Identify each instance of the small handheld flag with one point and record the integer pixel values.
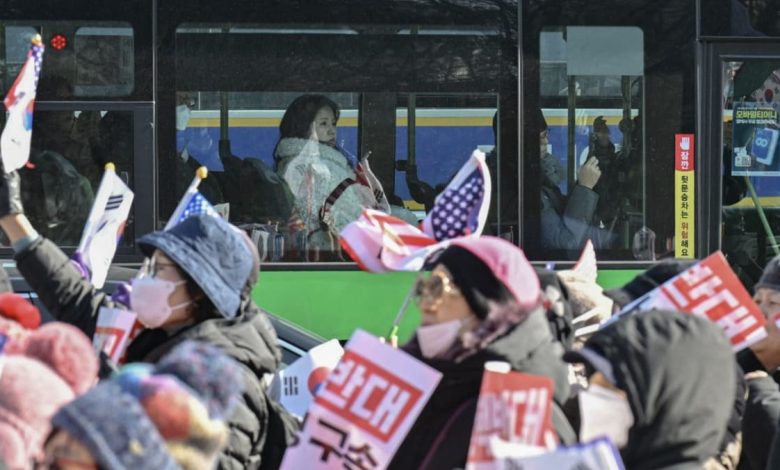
(193, 202)
(20, 101)
(105, 225)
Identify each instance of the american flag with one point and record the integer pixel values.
(20, 101)
(461, 209)
(197, 205)
(379, 242)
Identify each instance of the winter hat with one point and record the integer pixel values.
(193, 439)
(509, 265)
(17, 308)
(647, 281)
(770, 278)
(215, 378)
(115, 429)
(30, 393)
(68, 351)
(211, 253)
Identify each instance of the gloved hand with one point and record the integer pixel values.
(78, 262)
(121, 295)
(10, 193)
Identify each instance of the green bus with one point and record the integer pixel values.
(161, 87)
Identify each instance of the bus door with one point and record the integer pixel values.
(94, 105)
(740, 158)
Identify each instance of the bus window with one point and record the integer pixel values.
(316, 119)
(82, 60)
(68, 152)
(750, 161)
(590, 132)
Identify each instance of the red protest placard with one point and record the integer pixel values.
(712, 290)
(514, 407)
(369, 396)
(365, 408)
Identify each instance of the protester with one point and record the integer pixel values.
(40, 370)
(731, 447)
(106, 428)
(481, 303)
(188, 395)
(192, 290)
(661, 387)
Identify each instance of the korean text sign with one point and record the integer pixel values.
(514, 407)
(365, 408)
(684, 197)
(710, 289)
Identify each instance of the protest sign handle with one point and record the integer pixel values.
(101, 198)
(762, 216)
(393, 336)
(200, 175)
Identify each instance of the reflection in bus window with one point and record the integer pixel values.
(412, 104)
(591, 142)
(68, 152)
(751, 160)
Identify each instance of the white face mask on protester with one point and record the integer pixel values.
(437, 338)
(182, 117)
(604, 412)
(149, 300)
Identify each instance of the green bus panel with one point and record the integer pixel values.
(334, 303)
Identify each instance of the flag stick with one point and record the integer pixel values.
(393, 336)
(101, 199)
(200, 175)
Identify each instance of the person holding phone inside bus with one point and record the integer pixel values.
(331, 186)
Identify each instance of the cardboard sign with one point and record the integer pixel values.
(599, 454)
(112, 334)
(298, 383)
(364, 410)
(709, 289)
(514, 407)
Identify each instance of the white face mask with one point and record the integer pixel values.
(604, 412)
(149, 300)
(437, 338)
(182, 117)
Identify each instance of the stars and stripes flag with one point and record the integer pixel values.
(105, 226)
(379, 242)
(193, 202)
(20, 101)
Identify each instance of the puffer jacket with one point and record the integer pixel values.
(313, 171)
(257, 439)
(440, 437)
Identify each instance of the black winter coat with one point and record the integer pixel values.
(440, 437)
(249, 338)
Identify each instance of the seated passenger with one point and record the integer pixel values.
(567, 220)
(331, 186)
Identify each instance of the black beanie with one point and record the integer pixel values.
(770, 278)
(474, 279)
(647, 281)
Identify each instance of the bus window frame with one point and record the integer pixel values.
(714, 51)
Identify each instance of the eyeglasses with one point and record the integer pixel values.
(153, 266)
(433, 288)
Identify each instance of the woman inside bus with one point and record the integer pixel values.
(482, 302)
(194, 288)
(331, 186)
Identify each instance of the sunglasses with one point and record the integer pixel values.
(433, 287)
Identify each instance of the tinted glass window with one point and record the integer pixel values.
(287, 135)
(82, 60)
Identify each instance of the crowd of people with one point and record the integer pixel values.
(192, 390)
